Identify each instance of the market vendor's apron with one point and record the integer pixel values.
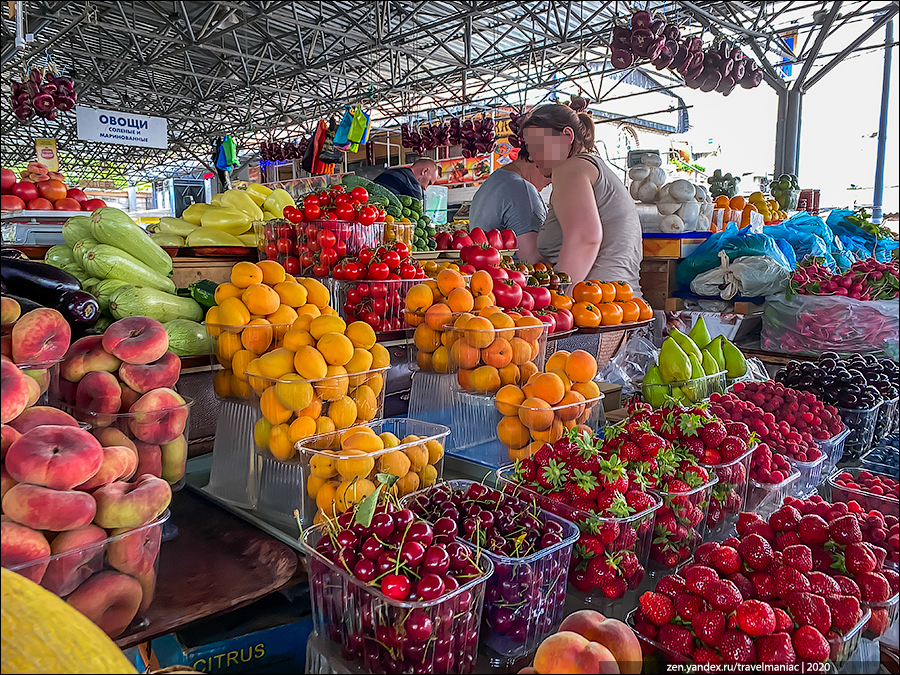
(619, 258)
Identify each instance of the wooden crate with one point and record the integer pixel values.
(658, 281)
(188, 270)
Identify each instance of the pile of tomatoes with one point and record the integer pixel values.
(336, 204)
(391, 262)
(603, 303)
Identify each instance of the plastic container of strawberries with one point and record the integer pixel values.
(766, 498)
(868, 500)
(833, 449)
(632, 533)
(810, 475)
(681, 505)
(884, 617)
(526, 594)
(844, 646)
(729, 496)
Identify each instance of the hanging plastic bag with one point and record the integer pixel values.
(748, 276)
(359, 127)
(630, 362)
(330, 154)
(340, 136)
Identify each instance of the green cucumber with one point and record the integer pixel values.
(204, 292)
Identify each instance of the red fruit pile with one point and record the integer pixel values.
(768, 467)
(784, 592)
(873, 483)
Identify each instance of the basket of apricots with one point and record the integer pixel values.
(339, 469)
(327, 376)
(253, 314)
(549, 404)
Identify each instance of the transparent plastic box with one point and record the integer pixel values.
(766, 498)
(884, 617)
(881, 459)
(97, 564)
(46, 374)
(729, 496)
(868, 500)
(525, 596)
(632, 533)
(810, 475)
(833, 449)
(320, 466)
(844, 646)
(861, 424)
(887, 416)
(524, 432)
(357, 618)
(354, 300)
(426, 335)
(688, 511)
(234, 474)
(691, 391)
(230, 340)
(353, 235)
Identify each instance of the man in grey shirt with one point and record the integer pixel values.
(509, 199)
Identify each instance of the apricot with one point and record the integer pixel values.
(568, 652)
(616, 636)
(535, 413)
(581, 366)
(509, 374)
(485, 379)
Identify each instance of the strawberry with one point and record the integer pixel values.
(783, 621)
(761, 528)
(598, 573)
(559, 497)
(810, 610)
(526, 469)
(709, 626)
(657, 608)
(822, 584)
(785, 539)
(873, 587)
(583, 504)
(628, 564)
(799, 557)
(697, 577)
(785, 519)
(591, 544)
(690, 425)
(845, 612)
(737, 647)
(810, 644)
(626, 539)
(666, 522)
(755, 617)
(651, 444)
(765, 585)
(738, 429)
(687, 605)
(705, 655)
(613, 474)
(722, 594)
(732, 448)
(552, 475)
(756, 551)
(638, 500)
(646, 629)
(711, 457)
(695, 476)
(581, 484)
(776, 648)
(630, 451)
(893, 579)
(847, 586)
(704, 551)
(726, 560)
(713, 433)
(542, 456)
(845, 529)
(607, 531)
(676, 638)
(789, 580)
(671, 585)
(744, 585)
(615, 588)
(858, 559)
(693, 446)
(673, 485)
(744, 519)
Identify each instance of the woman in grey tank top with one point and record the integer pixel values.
(592, 229)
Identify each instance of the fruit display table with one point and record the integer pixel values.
(216, 563)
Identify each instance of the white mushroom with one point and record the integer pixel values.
(700, 193)
(657, 175)
(639, 172)
(633, 189)
(667, 208)
(651, 159)
(663, 194)
(647, 192)
(682, 190)
(671, 224)
(689, 212)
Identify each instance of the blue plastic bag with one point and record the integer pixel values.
(865, 245)
(804, 244)
(340, 136)
(736, 243)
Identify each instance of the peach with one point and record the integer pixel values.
(568, 652)
(129, 398)
(174, 457)
(41, 376)
(20, 545)
(34, 391)
(8, 434)
(160, 416)
(109, 599)
(99, 393)
(6, 481)
(57, 457)
(121, 504)
(135, 551)
(149, 459)
(40, 336)
(10, 311)
(83, 549)
(161, 374)
(112, 436)
(41, 415)
(43, 508)
(85, 356)
(148, 586)
(14, 392)
(136, 340)
(66, 391)
(616, 636)
(119, 463)
(6, 346)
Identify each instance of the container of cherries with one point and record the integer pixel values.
(393, 594)
(529, 548)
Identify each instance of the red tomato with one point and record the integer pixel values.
(564, 318)
(326, 238)
(283, 245)
(77, 195)
(292, 265)
(539, 294)
(367, 214)
(40, 204)
(392, 258)
(310, 200)
(483, 257)
(478, 236)
(338, 272)
(365, 256)
(328, 256)
(311, 232)
(271, 251)
(93, 205)
(324, 198)
(344, 211)
(353, 271)
(363, 290)
(527, 301)
(293, 214)
(515, 275)
(509, 239)
(311, 211)
(11, 203)
(470, 269)
(420, 273)
(401, 248)
(353, 293)
(407, 271)
(67, 204)
(548, 318)
(320, 270)
(495, 239)
(378, 290)
(341, 248)
(306, 260)
(508, 293)
(360, 193)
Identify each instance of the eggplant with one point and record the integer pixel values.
(80, 308)
(9, 252)
(26, 304)
(36, 280)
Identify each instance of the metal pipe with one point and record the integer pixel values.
(20, 25)
(878, 198)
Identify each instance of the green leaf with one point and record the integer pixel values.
(365, 510)
(387, 479)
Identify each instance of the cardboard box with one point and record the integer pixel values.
(612, 395)
(658, 281)
(668, 246)
(269, 635)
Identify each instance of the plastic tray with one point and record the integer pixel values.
(884, 617)
(694, 390)
(729, 496)
(869, 501)
(513, 354)
(527, 594)
(356, 617)
(810, 475)
(887, 416)
(677, 503)
(634, 534)
(833, 449)
(296, 479)
(766, 498)
(862, 430)
(234, 476)
(127, 561)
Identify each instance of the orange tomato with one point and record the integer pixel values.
(560, 300)
(608, 289)
(631, 311)
(587, 291)
(586, 315)
(610, 313)
(623, 291)
(646, 310)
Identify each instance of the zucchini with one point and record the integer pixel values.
(59, 256)
(104, 289)
(374, 189)
(81, 247)
(116, 228)
(76, 229)
(204, 292)
(130, 300)
(189, 338)
(108, 262)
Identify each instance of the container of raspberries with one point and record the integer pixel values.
(529, 548)
(393, 595)
(869, 489)
(833, 449)
(765, 496)
(729, 496)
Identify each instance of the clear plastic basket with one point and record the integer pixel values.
(766, 498)
(884, 617)
(230, 340)
(810, 475)
(887, 416)
(385, 299)
(729, 496)
(353, 235)
(689, 511)
(861, 424)
(234, 475)
(868, 500)
(689, 391)
(833, 449)
(427, 335)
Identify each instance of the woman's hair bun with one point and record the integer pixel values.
(578, 104)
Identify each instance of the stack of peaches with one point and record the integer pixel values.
(74, 494)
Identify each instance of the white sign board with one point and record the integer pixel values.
(107, 126)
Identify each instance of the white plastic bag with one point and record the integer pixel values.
(630, 362)
(748, 276)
